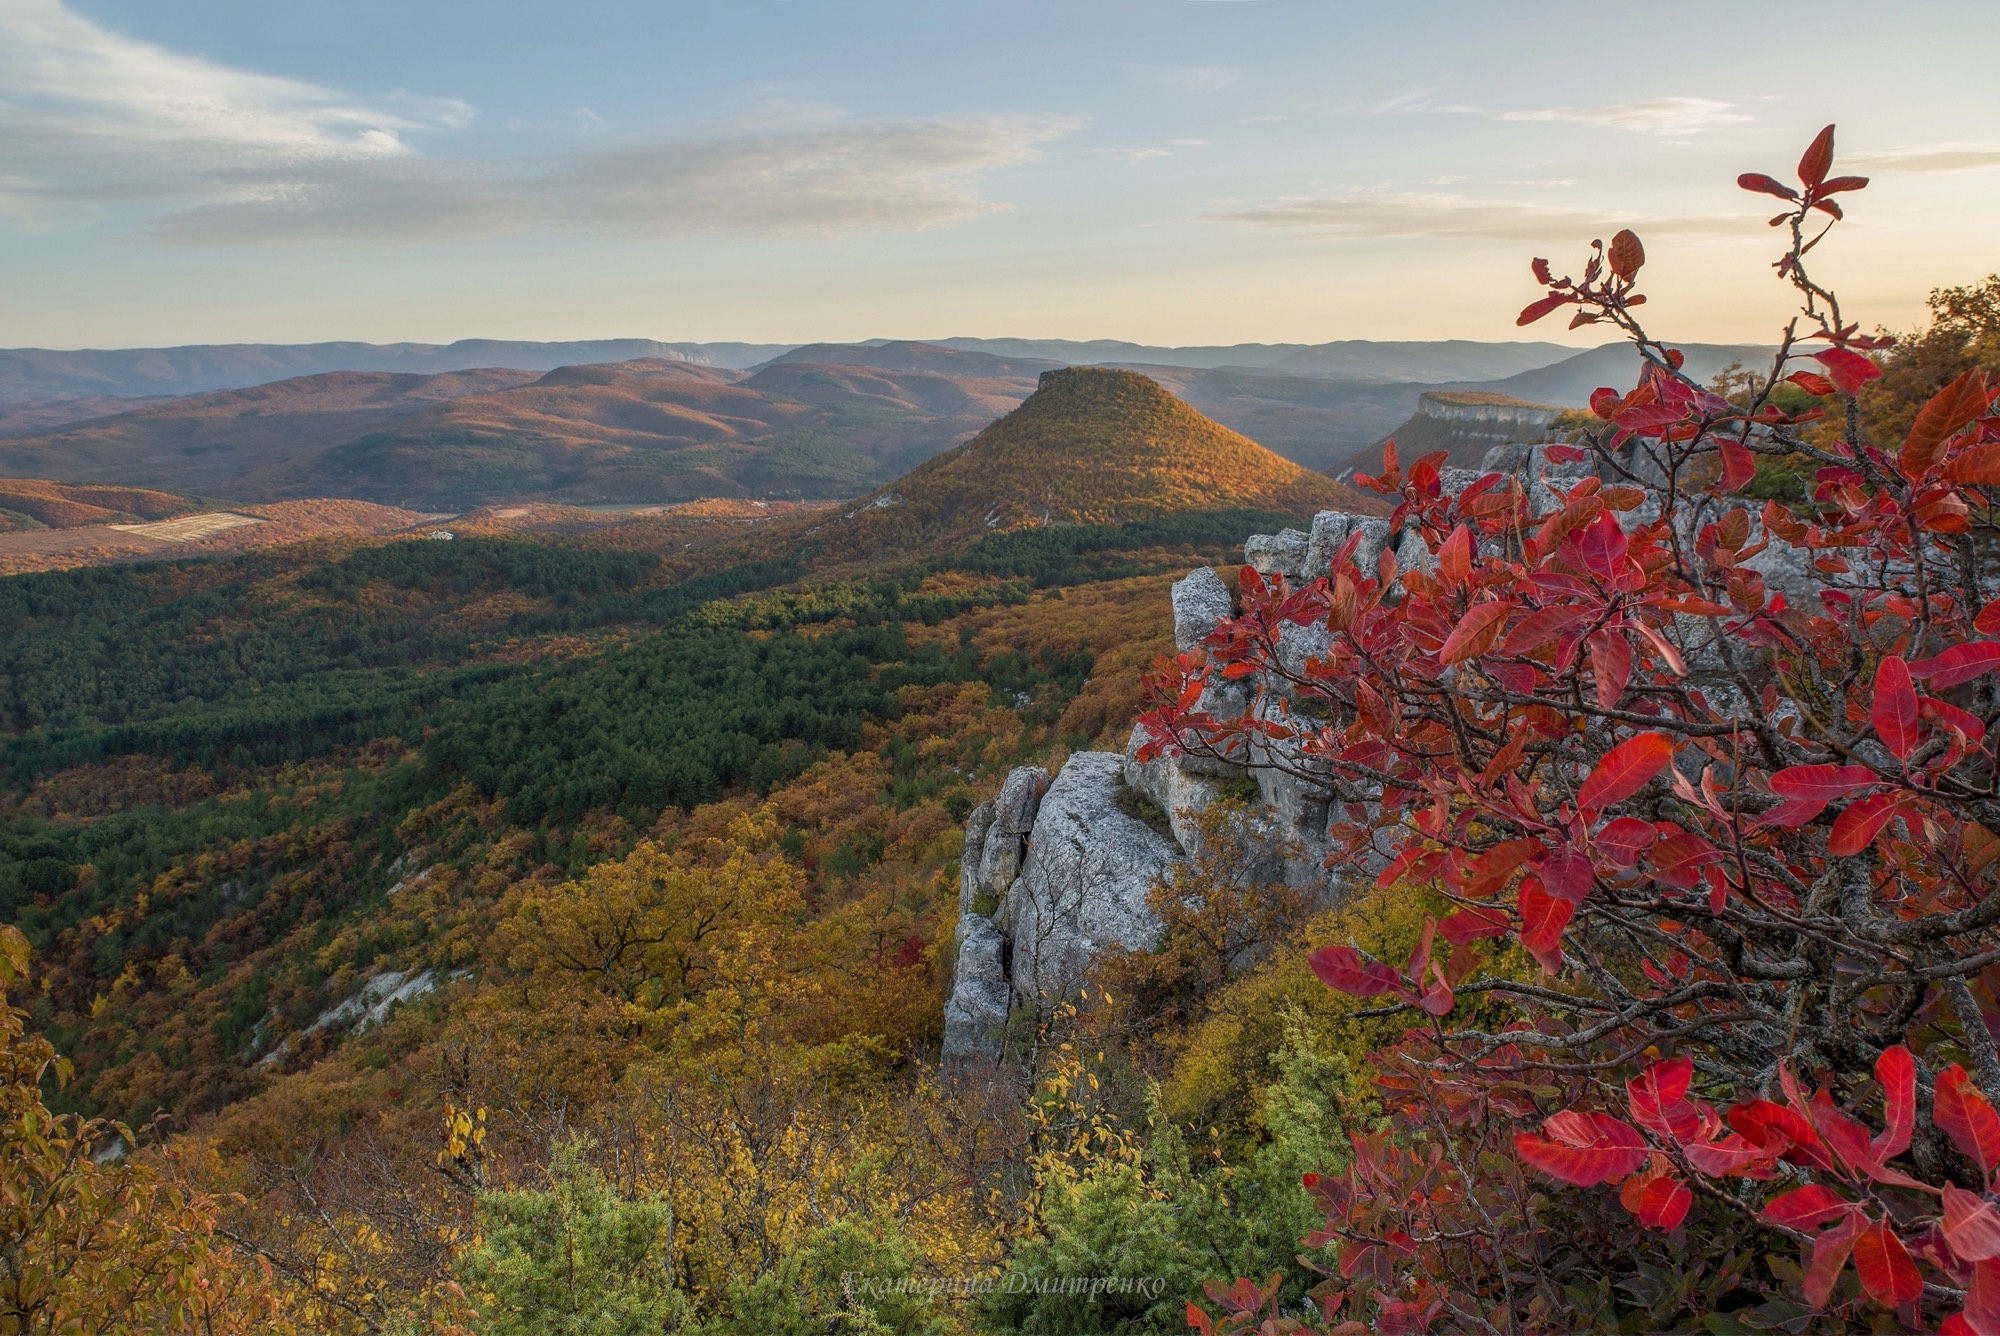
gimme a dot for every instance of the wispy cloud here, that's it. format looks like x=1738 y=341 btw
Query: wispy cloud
x=1417 y=214
x=1658 y=116
x=1929 y=158
x=813 y=181
x=114 y=117
x=90 y=118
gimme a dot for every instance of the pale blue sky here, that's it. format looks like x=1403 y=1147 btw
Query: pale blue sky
x=1181 y=171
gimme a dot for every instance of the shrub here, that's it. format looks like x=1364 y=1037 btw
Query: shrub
x=1725 y=772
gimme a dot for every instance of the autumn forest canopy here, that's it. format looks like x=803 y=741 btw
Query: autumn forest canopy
x=552 y=929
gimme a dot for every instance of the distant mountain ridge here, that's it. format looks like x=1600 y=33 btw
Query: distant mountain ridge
x=1341 y=359
x=47 y=373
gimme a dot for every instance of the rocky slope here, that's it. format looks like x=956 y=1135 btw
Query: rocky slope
x=1056 y=869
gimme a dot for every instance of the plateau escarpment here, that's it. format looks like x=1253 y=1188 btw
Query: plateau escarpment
x=1465 y=424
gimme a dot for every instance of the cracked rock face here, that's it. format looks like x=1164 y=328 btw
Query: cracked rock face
x=977 y=824
x=1085 y=883
x=1201 y=601
x=1332 y=528
x=1004 y=843
x=975 y=1017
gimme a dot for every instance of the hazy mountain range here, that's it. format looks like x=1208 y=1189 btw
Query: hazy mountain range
x=635 y=421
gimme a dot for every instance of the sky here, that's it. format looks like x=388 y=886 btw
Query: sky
x=1163 y=171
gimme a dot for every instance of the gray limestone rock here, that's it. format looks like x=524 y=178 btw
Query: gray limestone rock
x=1331 y=528
x=1201 y=601
x=1181 y=795
x=1014 y=809
x=1297 y=645
x=1413 y=553
x=977 y=824
x=1454 y=481
x=1084 y=886
x=1509 y=458
x=1225 y=701
x=975 y=1015
x=1282 y=553
x=1013 y=817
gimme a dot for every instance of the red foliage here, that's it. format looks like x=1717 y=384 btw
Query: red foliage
x=1727 y=772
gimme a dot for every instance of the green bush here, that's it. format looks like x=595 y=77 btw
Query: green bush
x=576 y=1260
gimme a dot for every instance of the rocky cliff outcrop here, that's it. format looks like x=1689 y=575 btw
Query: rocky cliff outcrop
x=1466 y=424
x=1055 y=871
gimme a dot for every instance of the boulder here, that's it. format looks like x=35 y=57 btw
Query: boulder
x=1331 y=528
x=1282 y=553
x=1085 y=883
x=975 y=1015
x=1201 y=601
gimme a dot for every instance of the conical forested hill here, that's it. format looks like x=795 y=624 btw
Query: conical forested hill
x=1091 y=446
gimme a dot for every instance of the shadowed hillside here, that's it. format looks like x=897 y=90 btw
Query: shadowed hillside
x=1090 y=446
x=655 y=430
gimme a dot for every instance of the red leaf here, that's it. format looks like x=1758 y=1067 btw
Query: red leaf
x=1469 y=925
x=1982 y=1298
x=1988 y=621
x=1664 y=1203
x=1821 y=782
x=1841 y=184
x=1624 y=840
x=1818 y=159
x=1346 y=970
x=1437 y=999
x=1850 y=370
x=1678 y=858
x=1856 y=828
x=1977 y=467
x=1960 y=663
x=1829 y=1257
x=1739 y=466
x=1589 y=1148
x=1535 y=310
x=1610 y=666
x=1455 y=557
x=1626 y=254
x=1733 y=1154
x=1475 y=633
x=1897 y=1071
x=1200 y=1321
x=1765 y=185
x=1965 y=1115
x=1543 y=919
x=1971 y=1225
x=1657 y=1098
x=1887 y=1272
x=1808 y=1207
x=1894 y=708
x=1624 y=770
x=1541 y=626
x=1947 y=411
x=1811 y=382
